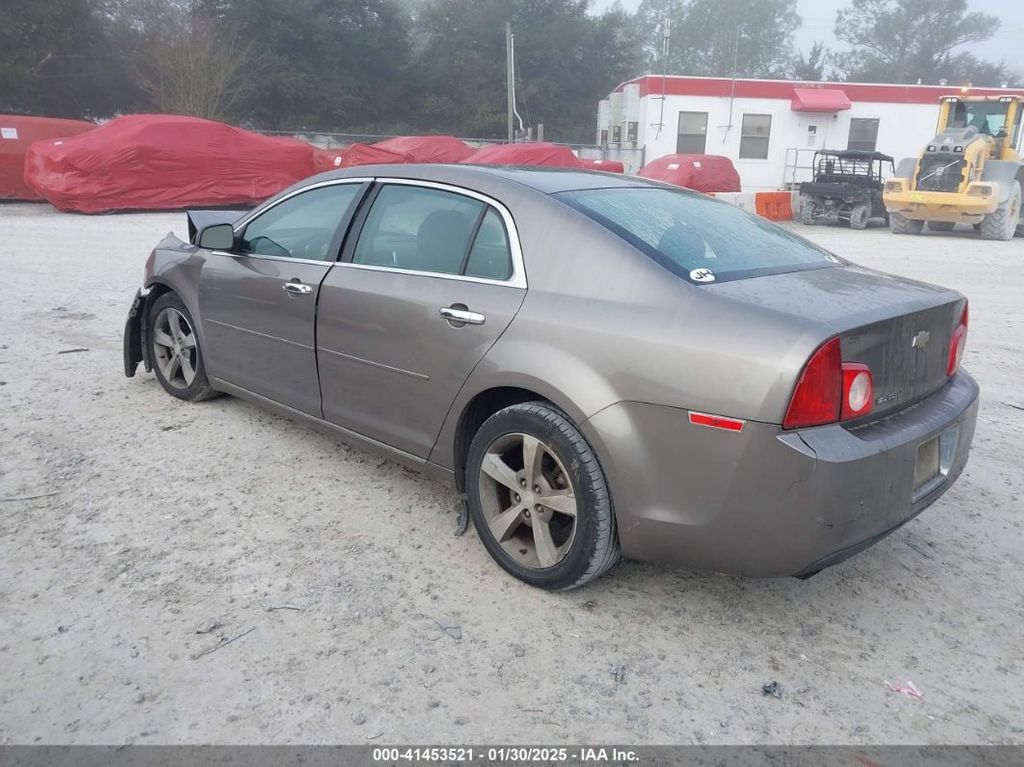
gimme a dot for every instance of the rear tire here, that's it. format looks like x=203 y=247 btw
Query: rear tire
x=523 y=458
x=941 y=226
x=1003 y=223
x=174 y=350
x=900 y=224
x=806 y=210
x=859 y=215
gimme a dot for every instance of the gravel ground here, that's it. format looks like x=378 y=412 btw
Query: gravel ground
x=138 y=532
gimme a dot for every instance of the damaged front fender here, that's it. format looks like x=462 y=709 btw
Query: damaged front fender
x=135 y=346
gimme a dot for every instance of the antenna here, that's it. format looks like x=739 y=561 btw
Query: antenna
x=512 y=66
x=666 y=37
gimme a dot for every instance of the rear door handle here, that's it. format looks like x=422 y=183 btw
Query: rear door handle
x=297 y=288
x=459 y=317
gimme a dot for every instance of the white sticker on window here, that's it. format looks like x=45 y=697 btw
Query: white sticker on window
x=337 y=161
x=9 y=133
x=702 y=275
x=673 y=166
x=696 y=163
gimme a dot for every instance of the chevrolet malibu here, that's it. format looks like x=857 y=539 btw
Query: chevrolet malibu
x=602 y=365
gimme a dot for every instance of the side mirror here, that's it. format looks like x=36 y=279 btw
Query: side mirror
x=216 y=237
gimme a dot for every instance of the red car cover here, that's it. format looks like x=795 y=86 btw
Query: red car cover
x=407 y=149
x=535 y=153
x=700 y=172
x=327 y=159
x=609 y=166
x=17 y=132
x=159 y=162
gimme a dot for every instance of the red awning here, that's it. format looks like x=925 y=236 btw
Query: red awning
x=819 y=100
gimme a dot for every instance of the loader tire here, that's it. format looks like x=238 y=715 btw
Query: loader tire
x=1003 y=223
x=900 y=224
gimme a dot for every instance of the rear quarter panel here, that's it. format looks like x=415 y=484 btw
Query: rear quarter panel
x=602 y=323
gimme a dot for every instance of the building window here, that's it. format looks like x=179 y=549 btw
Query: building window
x=863 y=134
x=754 y=136
x=693 y=133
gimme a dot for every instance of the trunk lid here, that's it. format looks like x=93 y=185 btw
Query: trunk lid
x=900 y=328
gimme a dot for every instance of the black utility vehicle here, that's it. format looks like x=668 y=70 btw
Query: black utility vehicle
x=847 y=187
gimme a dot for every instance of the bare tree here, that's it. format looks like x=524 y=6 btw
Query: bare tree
x=190 y=61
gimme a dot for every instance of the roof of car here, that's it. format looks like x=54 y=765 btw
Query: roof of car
x=542 y=179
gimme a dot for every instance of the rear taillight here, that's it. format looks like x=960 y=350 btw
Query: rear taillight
x=830 y=390
x=957 y=344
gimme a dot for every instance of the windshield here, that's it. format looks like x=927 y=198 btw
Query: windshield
x=696 y=237
x=987 y=116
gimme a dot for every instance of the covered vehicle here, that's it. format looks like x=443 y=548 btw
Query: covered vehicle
x=847 y=187
x=530 y=153
x=17 y=133
x=405 y=149
x=609 y=166
x=700 y=172
x=602 y=364
x=159 y=162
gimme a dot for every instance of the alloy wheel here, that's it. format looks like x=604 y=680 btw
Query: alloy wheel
x=528 y=500
x=174 y=345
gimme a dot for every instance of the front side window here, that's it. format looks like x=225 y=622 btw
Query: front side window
x=693 y=133
x=755 y=134
x=302 y=226
x=434 y=230
x=696 y=237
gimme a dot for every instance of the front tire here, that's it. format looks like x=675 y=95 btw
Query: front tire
x=174 y=350
x=1002 y=224
x=900 y=224
x=539 y=499
x=859 y=215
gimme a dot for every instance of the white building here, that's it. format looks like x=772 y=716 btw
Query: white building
x=768 y=128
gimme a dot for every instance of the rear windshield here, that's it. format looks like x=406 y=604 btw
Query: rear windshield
x=696 y=237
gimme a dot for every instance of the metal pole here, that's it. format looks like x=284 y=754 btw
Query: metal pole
x=509 y=82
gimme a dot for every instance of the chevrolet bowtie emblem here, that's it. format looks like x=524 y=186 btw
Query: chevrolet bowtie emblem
x=921 y=339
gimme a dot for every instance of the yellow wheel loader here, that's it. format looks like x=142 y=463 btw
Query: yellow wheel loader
x=970 y=173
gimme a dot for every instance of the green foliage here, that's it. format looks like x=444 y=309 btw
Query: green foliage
x=387 y=66
x=708 y=36
x=53 y=59
x=566 y=61
x=901 y=41
x=812 y=66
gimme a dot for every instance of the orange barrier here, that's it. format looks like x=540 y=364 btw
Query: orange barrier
x=776 y=206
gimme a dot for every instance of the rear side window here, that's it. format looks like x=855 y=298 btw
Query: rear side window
x=696 y=237
x=490 y=256
x=433 y=230
x=425 y=230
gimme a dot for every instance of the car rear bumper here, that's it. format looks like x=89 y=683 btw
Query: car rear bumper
x=766 y=502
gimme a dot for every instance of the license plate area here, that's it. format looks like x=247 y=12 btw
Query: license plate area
x=934 y=460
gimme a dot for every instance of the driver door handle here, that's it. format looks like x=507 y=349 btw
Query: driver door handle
x=297 y=288
x=465 y=316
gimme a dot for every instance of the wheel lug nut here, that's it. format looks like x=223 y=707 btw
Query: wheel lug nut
x=523 y=482
x=526 y=513
x=537 y=489
x=518 y=499
x=538 y=508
